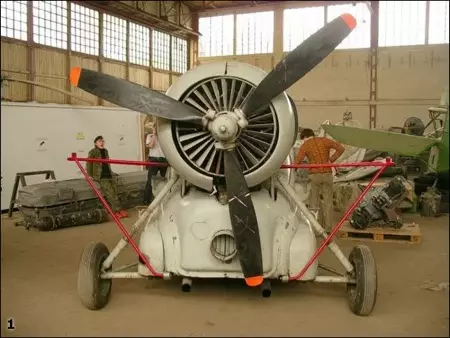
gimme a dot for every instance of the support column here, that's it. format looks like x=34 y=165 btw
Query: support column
x=31 y=53
x=373 y=64
x=277 y=36
x=193 y=44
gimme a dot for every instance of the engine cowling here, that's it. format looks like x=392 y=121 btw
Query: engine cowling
x=262 y=146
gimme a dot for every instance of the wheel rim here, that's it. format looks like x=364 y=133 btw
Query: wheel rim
x=255 y=143
x=351 y=288
x=104 y=285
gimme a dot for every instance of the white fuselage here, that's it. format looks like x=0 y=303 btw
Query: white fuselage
x=179 y=239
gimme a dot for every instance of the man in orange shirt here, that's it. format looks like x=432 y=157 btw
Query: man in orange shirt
x=317 y=150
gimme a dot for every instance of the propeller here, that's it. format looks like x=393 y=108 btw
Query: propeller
x=132 y=95
x=225 y=126
x=299 y=62
x=243 y=220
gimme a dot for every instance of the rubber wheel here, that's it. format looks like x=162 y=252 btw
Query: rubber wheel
x=363 y=294
x=93 y=291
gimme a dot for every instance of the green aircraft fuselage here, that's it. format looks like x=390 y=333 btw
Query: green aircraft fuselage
x=392 y=142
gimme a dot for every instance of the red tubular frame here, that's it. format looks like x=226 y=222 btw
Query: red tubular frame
x=382 y=165
x=124 y=231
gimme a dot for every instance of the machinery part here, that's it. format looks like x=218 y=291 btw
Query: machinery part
x=132 y=95
x=260 y=149
x=224 y=125
x=399 y=130
x=186 y=284
x=124 y=275
x=52 y=205
x=266 y=289
x=299 y=62
x=363 y=294
x=86 y=217
x=334 y=279
x=430 y=202
x=440 y=181
x=414 y=126
x=294 y=109
x=189 y=225
x=146 y=216
x=255 y=144
x=94 y=292
x=223 y=246
x=381 y=140
x=326 y=268
x=379 y=205
x=318 y=230
x=371 y=155
x=243 y=221
x=443 y=162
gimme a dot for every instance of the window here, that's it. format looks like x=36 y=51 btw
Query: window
x=300 y=24
x=160 y=50
x=179 y=55
x=139 y=45
x=217 y=35
x=14 y=19
x=402 y=23
x=439 y=22
x=360 y=37
x=50 y=23
x=84 y=29
x=254 y=33
x=114 y=38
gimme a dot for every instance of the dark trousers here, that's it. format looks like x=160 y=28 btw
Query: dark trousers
x=152 y=171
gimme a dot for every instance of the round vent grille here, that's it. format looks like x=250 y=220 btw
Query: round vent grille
x=254 y=144
x=223 y=246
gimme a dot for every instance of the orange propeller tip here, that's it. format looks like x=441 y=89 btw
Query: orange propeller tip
x=74 y=76
x=254 y=281
x=349 y=20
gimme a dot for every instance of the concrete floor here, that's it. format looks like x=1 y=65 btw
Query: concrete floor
x=39 y=273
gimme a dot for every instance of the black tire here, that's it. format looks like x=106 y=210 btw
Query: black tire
x=93 y=291
x=363 y=294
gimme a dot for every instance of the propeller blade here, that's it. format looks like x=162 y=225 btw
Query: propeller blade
x=132 y=96
x=243 y=220
x=299 y=62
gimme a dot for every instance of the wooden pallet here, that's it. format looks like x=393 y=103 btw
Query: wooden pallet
x=408 y=233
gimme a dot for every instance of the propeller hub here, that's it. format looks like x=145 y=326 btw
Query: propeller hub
x=224 y=128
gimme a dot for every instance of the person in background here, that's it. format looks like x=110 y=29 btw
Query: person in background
x=155 y=154
x=102 y=173
x=317 y=150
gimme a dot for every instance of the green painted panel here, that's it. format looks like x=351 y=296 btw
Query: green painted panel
x=443 y=162
x=396 y=143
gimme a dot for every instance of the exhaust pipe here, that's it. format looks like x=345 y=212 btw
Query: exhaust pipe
x=186 y=284
x=266 y=289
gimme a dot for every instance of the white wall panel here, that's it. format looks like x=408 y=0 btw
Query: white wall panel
x=63 y=129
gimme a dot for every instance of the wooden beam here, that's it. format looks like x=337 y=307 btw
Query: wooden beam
x=43 y=85
x=272 y=4
x=137 y=15
x=210 y=4
x=31 y=52
x=193 y=44
x=188 y=4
